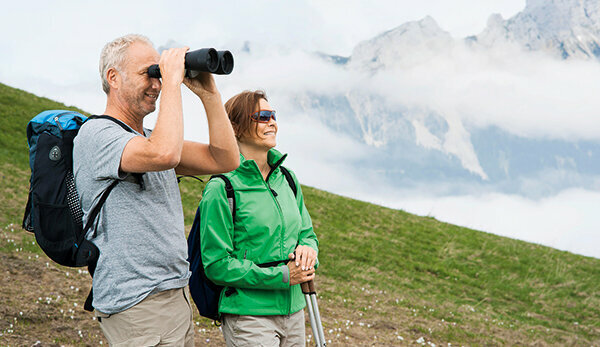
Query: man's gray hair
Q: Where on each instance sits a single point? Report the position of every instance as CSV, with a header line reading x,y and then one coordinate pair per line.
x,y
113,55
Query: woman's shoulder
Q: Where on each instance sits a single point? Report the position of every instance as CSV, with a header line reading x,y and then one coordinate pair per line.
x,y
220,181
215,182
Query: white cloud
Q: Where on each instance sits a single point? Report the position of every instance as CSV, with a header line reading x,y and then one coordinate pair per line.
x,y
524,93
567,221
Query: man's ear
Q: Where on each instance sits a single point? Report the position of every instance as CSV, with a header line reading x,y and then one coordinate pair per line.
x,y
113,77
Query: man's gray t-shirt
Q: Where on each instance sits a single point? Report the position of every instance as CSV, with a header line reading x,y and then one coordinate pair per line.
x,y
140,233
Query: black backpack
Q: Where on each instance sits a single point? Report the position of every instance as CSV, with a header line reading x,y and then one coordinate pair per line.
x,y
53,211
205,292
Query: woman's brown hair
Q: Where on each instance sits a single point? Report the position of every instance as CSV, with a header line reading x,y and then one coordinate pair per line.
x,y
240,107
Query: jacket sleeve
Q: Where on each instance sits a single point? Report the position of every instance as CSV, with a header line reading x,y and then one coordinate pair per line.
x,y
216,242
307,235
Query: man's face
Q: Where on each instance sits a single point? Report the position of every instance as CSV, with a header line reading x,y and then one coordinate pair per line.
x,y
138,91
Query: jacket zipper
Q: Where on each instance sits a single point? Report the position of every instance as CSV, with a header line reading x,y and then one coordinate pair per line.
x,y
281,243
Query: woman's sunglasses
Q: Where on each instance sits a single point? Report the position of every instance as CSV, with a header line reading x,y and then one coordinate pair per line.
x,y
263,116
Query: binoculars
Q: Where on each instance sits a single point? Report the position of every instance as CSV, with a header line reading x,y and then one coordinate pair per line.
x,y
202,60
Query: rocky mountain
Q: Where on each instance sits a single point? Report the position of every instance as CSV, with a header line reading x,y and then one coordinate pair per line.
x,y
405,45
417,142
565,28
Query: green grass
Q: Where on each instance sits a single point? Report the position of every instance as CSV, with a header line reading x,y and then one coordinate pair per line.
x,y
401,274
16,109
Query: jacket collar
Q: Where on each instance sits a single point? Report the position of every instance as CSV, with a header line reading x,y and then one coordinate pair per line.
x,y
274,158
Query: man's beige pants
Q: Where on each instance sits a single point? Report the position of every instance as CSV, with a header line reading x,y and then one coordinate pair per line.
x,y
267,331
162,319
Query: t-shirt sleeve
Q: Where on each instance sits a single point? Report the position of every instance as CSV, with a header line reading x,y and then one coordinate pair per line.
x,y
104,142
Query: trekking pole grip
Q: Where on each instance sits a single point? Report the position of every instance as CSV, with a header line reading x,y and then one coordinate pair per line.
x,y
311,286
308,287
305,287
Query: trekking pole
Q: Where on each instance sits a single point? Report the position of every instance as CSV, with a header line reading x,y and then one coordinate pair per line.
x,y
310,295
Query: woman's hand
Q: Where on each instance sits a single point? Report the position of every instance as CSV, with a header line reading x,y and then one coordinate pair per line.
x,y
305,257
297,275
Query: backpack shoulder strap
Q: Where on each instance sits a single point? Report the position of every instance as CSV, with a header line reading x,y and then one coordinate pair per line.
x,y
93,261
229,191
96,210
290,179
120,123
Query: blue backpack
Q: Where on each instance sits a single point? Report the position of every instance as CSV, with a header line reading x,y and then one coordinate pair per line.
x,y
53,211
204,292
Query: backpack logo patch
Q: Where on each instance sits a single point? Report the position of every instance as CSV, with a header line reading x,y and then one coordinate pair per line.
x,y
55,154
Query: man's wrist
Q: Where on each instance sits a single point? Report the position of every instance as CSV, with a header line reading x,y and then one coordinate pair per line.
x,y
170,84
210,97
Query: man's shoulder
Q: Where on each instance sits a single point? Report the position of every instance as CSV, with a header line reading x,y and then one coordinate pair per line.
x,y
99,129
92,128
94,124
101,136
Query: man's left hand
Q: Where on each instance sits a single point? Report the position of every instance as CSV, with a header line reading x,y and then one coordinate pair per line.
x,y
202,85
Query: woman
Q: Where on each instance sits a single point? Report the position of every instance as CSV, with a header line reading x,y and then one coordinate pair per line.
x,y
262,303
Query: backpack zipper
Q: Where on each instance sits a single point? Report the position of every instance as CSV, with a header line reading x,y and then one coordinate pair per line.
x,y
58,116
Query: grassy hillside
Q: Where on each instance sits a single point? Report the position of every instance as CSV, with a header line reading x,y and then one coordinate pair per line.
x,y
386,278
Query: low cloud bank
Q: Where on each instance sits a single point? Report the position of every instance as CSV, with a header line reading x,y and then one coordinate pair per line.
x,y
567,221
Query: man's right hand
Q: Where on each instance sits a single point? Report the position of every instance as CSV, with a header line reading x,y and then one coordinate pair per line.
x,y
172,65
162,150
297,275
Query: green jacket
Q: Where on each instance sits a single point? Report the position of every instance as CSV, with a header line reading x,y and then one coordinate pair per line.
x,y
269,223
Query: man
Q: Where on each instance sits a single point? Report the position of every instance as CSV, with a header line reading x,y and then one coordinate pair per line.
x,y
139,285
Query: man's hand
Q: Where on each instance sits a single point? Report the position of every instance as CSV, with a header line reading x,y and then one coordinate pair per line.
x,y
222,153
202,85
171,65
297,275
305,257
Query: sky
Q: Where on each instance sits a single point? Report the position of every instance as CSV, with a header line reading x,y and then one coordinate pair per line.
x,y
52,48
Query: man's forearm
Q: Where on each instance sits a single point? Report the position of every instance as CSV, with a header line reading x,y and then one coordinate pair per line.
x,y
222,143
167,135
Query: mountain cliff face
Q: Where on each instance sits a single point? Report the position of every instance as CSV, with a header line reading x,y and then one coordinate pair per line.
x,y
405,45
564,28
423,141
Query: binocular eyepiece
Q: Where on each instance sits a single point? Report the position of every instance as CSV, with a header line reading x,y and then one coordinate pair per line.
x,y
202,60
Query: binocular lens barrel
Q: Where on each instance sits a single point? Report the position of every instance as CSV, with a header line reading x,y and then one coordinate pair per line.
x,y
225,63
205,59
202,60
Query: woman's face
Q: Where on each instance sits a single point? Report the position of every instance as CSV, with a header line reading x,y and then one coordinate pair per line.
x,y
265,134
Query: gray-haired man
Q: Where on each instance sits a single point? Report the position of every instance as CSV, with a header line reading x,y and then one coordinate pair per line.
x,y
139,285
